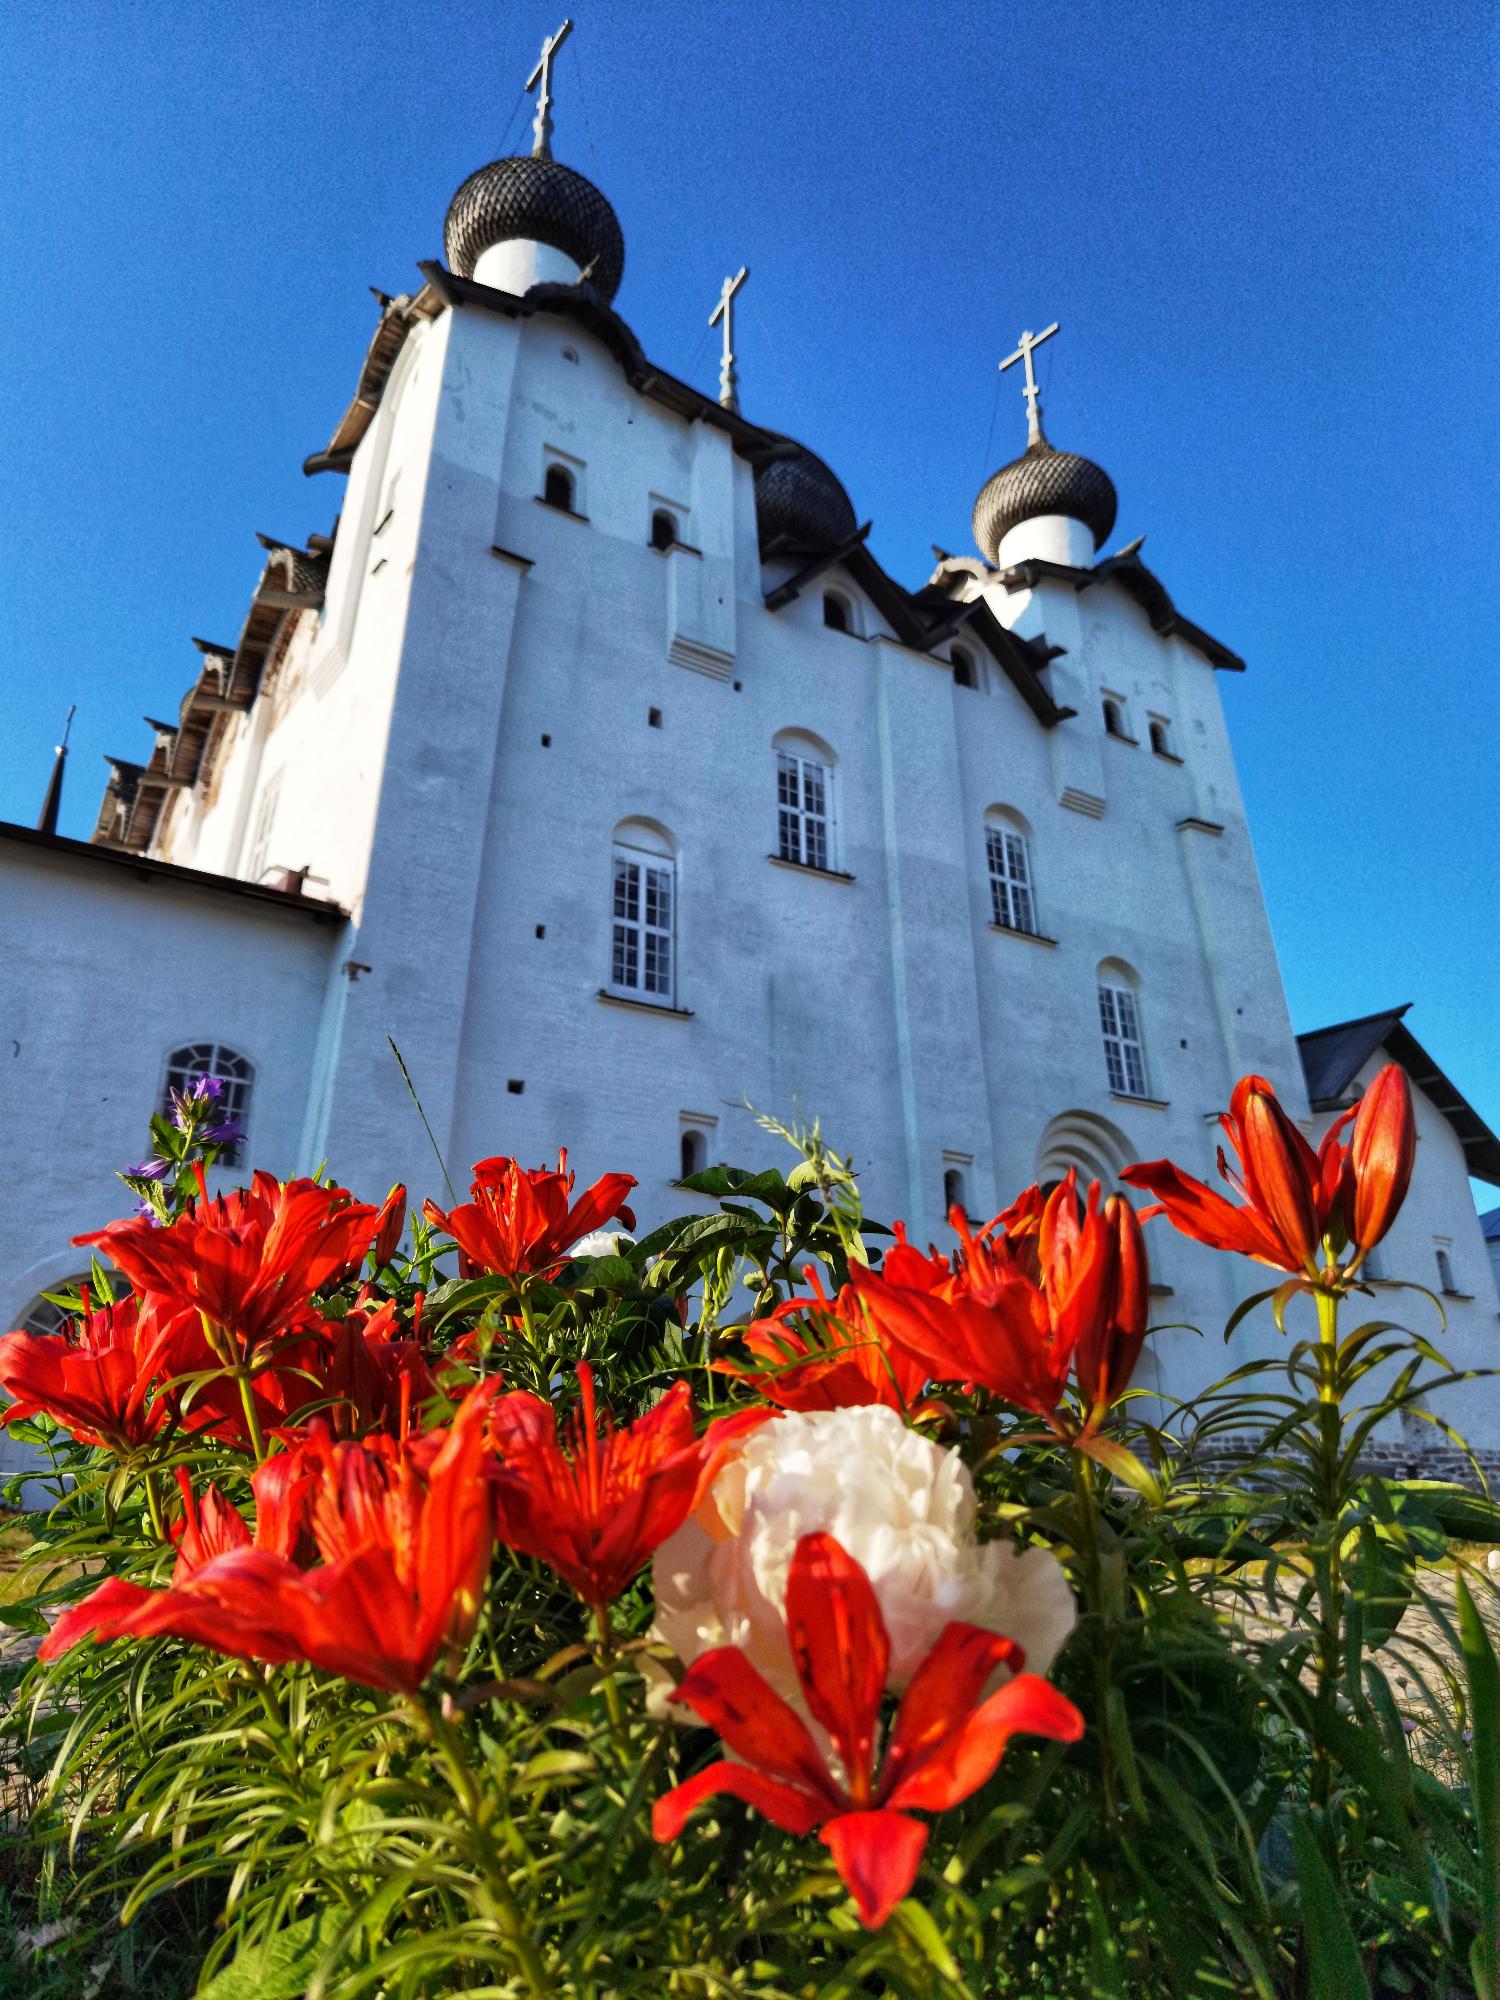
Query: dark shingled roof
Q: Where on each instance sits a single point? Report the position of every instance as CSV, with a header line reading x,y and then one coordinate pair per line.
x,y
1490,1224
1333,1057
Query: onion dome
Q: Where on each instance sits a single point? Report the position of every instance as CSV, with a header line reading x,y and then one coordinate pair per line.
x,y
1044,481
799,499
535,199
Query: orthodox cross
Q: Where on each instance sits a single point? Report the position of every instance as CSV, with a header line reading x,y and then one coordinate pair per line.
x,y
541,144
729,382
1030,342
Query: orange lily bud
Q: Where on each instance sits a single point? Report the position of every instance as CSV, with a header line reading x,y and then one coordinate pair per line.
x,y
389,1224
1280,1174
1381,1154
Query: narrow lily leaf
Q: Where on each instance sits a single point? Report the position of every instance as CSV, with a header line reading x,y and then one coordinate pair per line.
x,y
1483,1675
1123,1464
1332,1955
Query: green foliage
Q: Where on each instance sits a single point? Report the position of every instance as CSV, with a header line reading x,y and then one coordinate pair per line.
x,y
1273,1796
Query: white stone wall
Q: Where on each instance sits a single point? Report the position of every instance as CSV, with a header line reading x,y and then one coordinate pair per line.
x,y
102,974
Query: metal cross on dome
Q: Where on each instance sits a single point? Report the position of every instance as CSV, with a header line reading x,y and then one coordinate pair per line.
x,y
1030,342
541,144
729,381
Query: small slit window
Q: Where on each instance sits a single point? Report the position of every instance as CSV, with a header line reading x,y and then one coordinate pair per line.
x,y
1445,1271
663,529
235,1075
965,674
558,488
836,614
954,1195
1114,720
1161,742
693,1153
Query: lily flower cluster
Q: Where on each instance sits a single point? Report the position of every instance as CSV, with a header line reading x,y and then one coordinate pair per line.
x,y
819,1578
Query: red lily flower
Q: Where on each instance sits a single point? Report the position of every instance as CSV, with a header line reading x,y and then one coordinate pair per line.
x,y
248,1262
1290,1191
944,1744
519,1223
596,1511
377,1375
986,1323
405,1533
1382,1152
93,1376
823,1354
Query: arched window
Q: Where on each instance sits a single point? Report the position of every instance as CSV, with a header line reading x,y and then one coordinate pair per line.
x,y
1011,898
836,613
804,800
557,488
953,1191
1445,1271
694,1152
965,674
1120,1023
663,529
1114,721
235,1076
1160,742
44,1316
644,912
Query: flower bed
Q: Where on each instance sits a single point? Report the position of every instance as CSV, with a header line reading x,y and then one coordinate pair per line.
x,y
488,1602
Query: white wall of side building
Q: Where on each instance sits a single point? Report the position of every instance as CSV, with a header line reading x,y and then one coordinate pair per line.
x,y
104,970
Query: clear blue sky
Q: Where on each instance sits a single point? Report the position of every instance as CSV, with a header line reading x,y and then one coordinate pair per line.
x,y
1270,234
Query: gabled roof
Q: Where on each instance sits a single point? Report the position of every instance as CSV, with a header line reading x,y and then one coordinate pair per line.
x,y
1144,585
1333,1057
1489,1222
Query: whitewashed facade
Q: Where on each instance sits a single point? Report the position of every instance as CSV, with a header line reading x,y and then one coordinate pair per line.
x,y
532,779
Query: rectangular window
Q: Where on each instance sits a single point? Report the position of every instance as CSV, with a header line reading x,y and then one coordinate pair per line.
x,y
260,840
641,952
1123,1053
802,810
1010,880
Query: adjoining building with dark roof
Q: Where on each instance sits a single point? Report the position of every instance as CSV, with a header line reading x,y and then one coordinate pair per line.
x,y
595,758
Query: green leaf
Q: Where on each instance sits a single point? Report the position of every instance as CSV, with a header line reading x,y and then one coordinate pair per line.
x,y
1122,1464
735,1180
916,1923
1483,1676
281,1967
1332,1955
1458,1510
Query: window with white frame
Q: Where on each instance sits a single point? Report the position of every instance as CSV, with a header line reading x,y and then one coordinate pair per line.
x,y
1011,900
235,1076
1124,1053
44,1315
644,910
804,784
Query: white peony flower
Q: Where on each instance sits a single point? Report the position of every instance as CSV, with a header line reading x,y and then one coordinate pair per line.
x,y
901,1505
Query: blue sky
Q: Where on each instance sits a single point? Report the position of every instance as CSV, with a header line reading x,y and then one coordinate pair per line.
x,y
1270,234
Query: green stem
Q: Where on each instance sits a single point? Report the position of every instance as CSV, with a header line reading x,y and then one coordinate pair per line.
x,y
605,1653
1328,1565
1103,1634
252,1416
153,1508
465,1787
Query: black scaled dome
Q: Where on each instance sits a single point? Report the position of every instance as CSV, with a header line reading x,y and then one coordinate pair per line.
x,y
535,200
800,500
1044,481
